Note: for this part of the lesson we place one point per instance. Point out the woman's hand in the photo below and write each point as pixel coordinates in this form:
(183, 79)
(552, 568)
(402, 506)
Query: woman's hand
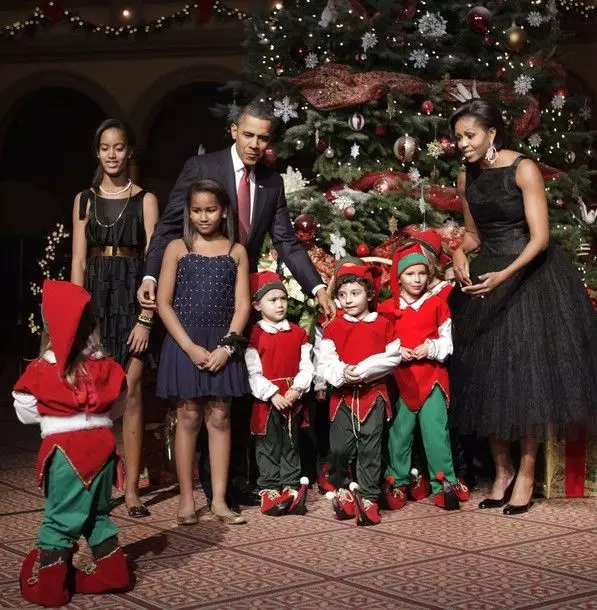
(280, 402)
(198, 355)
(138, 340)
(421, 351)
(217, 360)
(489, 281)
(460, 266)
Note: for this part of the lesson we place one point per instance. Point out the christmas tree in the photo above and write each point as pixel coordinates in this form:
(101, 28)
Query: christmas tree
(364, 88)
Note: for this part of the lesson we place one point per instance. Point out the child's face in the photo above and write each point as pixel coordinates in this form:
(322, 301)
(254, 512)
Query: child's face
(206, 213)
(113, 152)
(273, 305)
(413, 281)
(353, 299)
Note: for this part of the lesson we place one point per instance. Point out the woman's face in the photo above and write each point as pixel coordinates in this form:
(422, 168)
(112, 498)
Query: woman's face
(114, 152)
(472, 138)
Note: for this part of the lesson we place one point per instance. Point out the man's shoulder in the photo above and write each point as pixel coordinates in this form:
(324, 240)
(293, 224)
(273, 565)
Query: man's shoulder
(268, 176)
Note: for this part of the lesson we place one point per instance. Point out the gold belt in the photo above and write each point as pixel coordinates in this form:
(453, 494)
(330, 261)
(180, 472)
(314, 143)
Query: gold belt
(116, 251)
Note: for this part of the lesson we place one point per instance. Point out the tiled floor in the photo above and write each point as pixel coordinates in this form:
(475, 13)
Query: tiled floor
(419, 557)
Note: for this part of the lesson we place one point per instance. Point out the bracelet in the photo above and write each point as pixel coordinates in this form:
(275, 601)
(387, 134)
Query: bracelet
(228, 349)
(145, 319)
(143, 325)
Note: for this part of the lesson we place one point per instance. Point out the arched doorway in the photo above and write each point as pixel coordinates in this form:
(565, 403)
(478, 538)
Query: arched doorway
(182, 123)
(45, 158)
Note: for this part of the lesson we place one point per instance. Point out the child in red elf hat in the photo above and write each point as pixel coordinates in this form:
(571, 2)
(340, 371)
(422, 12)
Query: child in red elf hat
(423, 324)
(358, 350)
(280, 372)
(69, 391)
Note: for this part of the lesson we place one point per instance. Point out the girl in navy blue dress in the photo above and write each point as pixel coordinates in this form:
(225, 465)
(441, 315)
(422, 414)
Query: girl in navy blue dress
(203, 299)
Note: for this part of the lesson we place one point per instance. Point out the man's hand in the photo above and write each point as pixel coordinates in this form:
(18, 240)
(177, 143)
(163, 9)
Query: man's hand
(292, 396)
(146, 294)
(280, 402)
(326, 304)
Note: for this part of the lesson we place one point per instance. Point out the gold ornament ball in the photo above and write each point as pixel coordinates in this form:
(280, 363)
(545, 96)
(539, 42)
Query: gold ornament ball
(329, 152)
(516, 38)
(299, 144)
(406, 148)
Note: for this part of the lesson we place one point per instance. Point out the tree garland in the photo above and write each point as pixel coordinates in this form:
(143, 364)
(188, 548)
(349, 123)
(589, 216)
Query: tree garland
(52, 13)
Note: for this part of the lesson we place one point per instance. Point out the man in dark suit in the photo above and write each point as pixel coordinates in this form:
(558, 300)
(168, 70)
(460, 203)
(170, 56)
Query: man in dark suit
(259, 205)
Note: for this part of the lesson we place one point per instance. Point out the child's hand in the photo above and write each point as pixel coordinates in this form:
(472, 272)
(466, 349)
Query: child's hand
(138, 339)
(321, 395)
(280, 402)
(217, 360)
(199, 355)
(292, 396)
(407, 354)
(350, 375)
(421, 351)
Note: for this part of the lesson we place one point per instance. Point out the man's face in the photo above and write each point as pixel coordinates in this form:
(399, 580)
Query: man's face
(252, 135)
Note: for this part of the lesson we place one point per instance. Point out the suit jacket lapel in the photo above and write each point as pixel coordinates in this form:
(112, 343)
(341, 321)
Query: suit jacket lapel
(258, 204)
(229, 180)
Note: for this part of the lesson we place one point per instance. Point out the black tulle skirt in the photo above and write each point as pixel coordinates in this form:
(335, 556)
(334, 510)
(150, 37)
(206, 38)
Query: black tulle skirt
(525, 356)
(179, 378)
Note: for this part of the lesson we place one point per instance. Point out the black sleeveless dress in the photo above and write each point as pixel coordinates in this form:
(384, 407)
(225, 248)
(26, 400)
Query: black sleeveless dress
(524, 356)
(112, 281)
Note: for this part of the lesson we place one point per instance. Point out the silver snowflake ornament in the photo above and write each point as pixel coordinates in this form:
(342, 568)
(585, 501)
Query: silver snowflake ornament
(337, 245)
(355, 150)
(368, 41)
(557, 102)
(534, 19)
(233, 112)
(293, 180)
(585, 111)
(341, 202)
(419, 58)
(432, 25)
(311, 61)
(435, 149)
(414, 175)
(285, 109)
(535, 140)
(523, 84)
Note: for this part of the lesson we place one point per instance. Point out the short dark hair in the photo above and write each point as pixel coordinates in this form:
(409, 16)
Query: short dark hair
(487, 114)
(361, 281)
(221, 194)
(260, 110)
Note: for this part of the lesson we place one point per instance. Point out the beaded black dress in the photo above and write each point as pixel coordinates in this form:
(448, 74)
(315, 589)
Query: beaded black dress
(112, 281)
(204, 304)
(525, 355)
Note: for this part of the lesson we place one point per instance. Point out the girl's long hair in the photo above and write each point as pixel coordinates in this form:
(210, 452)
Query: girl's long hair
(129, 138)
(227, 226)
(87, 341)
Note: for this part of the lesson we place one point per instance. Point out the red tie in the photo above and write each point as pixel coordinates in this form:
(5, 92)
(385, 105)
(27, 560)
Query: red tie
(243, 198)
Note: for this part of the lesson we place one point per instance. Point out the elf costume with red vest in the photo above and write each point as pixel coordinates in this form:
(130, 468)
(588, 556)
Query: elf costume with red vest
(357, 409)
(77, 461)
(278, 359)
(423, 385)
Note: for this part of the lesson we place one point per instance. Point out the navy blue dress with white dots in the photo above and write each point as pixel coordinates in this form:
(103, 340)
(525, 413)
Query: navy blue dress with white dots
(204, 303)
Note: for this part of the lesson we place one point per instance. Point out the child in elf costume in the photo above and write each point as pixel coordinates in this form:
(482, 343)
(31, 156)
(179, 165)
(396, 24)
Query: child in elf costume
(357, 351)
(280, 372)
(424, 327)
(68, 391)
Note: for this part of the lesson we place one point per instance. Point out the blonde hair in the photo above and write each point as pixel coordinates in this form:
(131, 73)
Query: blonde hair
(432, 264)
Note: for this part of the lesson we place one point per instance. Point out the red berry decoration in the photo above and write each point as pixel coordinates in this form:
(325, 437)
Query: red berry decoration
(349, 212)
(270, 155)
(322, 144)
(427, 107)
(478, 19)
(363, 250)
(305, 228)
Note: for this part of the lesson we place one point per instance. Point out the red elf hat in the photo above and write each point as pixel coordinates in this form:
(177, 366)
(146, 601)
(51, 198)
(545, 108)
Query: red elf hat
(262, 282)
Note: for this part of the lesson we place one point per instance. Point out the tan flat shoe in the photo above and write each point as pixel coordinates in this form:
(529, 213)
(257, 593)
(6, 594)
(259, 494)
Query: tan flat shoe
(230, 518)
(187, 520)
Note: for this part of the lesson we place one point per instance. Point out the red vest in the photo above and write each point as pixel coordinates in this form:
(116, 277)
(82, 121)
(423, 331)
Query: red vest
(280, 355)
(354, 342)
(416, 379)
(86, 450)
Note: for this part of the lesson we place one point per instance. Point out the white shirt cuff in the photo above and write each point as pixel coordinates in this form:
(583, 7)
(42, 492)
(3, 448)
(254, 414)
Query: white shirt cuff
(150, 277)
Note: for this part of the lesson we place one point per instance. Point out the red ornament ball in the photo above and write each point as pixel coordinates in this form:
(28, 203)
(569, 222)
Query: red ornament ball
(381, 130)
(406, 148)
(305, 228)
(363, 250)
(427, 107)
(322, 144)
(478, 19)
(499, 73)
(448, 146)
(349, 212)
(487, 39)
(356, 121)
(270, 155)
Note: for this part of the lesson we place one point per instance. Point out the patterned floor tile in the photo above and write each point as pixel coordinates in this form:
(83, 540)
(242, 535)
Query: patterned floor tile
(588, 602)
(578, 513)
(13, 500)
(470, 581)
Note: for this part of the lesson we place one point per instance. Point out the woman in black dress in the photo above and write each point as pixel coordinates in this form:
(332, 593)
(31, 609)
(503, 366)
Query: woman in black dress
(524, 329)
(112, 224)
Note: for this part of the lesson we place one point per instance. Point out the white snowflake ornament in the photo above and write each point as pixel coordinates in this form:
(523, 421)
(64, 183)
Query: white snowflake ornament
(311, 61)
(535, 140)
(557, 102)
(432, 25)
(523, 84)
(293, 180)
(585, 111)
(419, 58)
(534, 19)
(337, 245)
(368, 41)
(435, 149)
(414, 175)
(285, 109)
(233, 112)
(355, 150)
(341, 202)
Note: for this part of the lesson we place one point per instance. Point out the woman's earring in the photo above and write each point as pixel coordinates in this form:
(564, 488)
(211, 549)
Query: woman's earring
(491, 154)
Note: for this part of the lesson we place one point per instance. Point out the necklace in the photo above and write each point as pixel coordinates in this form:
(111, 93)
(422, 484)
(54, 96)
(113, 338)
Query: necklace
(99, 222)
(122, 190)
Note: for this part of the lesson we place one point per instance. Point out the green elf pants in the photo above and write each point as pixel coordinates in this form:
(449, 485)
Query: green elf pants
(433, 419)
(71, 510)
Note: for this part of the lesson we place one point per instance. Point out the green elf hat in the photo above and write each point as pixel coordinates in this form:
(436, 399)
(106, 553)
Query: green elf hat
(409, 255)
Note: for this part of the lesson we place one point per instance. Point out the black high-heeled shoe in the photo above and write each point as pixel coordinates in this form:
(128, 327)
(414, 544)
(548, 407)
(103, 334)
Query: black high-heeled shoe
(514, 509)
(491, 503)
